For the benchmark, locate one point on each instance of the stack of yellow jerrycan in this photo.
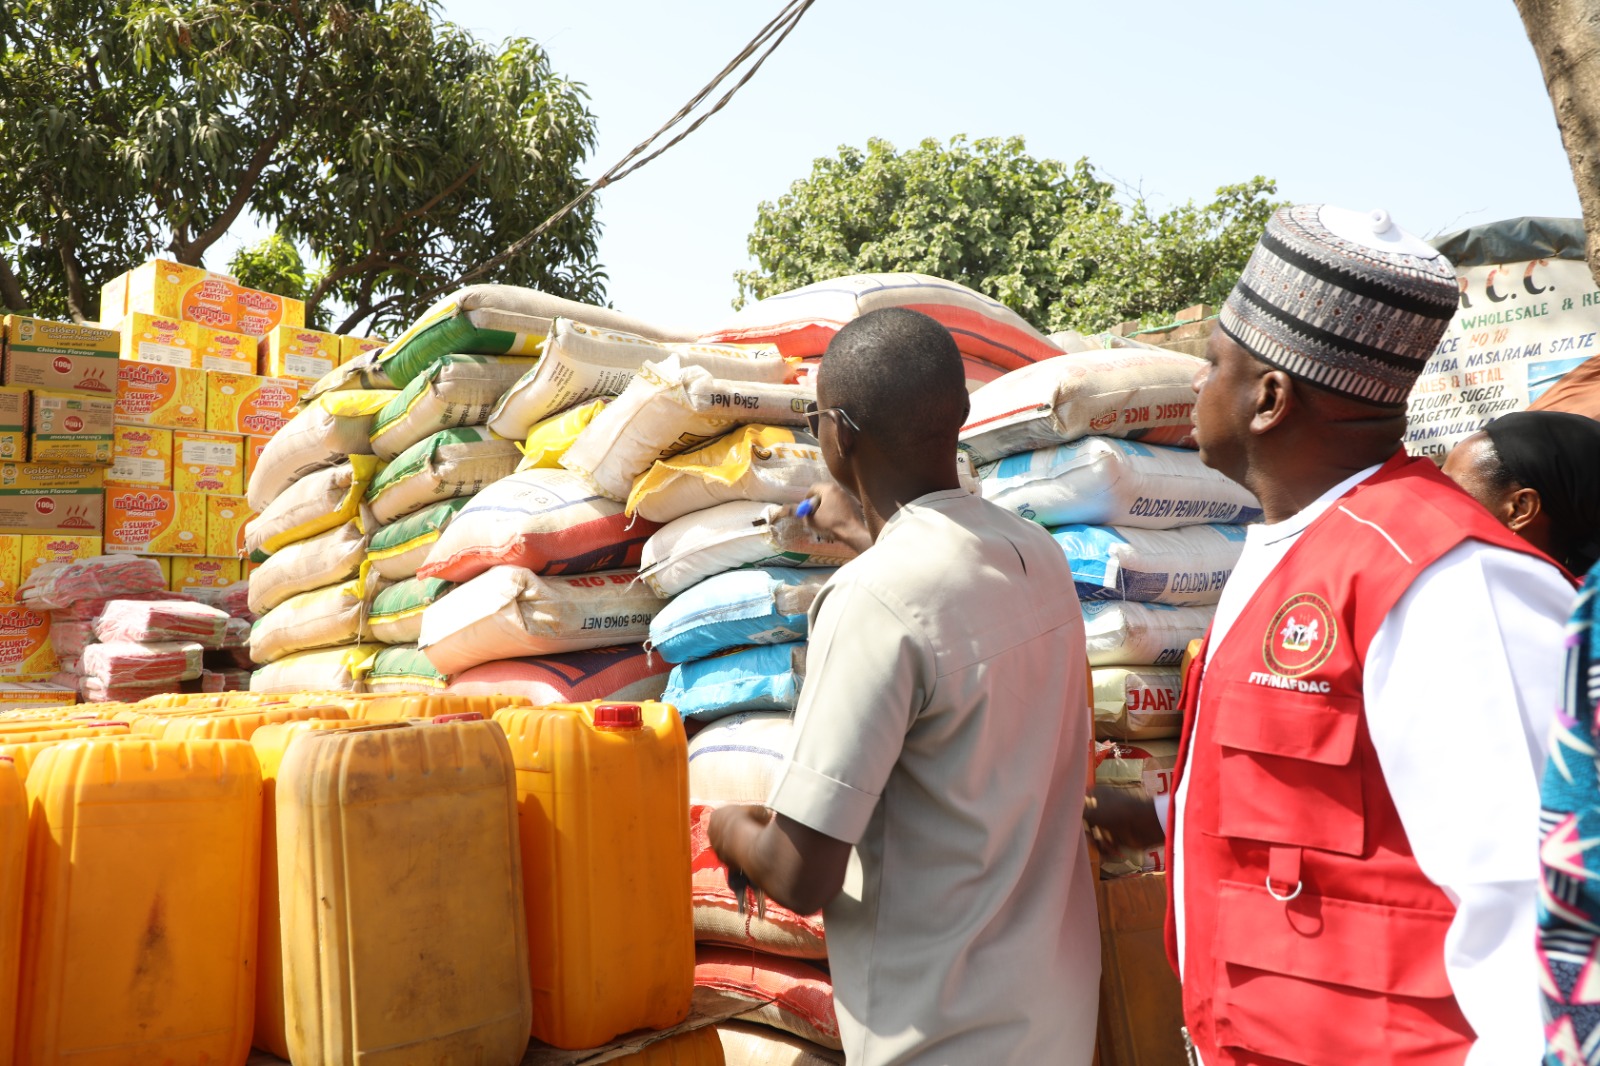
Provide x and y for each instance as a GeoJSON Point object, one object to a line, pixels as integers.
{"type": "Point", "coordinates": [13, 852]}
{"type": "Point", "coordinates": [603, 799]}
{"type": "Point", "coordinates": [399, 886]}
{"type": "Point", "coordinates": [139, 923]}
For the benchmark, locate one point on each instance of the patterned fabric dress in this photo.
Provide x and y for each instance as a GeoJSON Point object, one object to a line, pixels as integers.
{"type": "Point", "coordinates": [1569, 897]}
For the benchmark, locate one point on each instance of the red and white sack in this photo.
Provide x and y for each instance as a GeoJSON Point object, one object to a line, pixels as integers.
{"type": "Point", "coordinates": [716, 909]}
{"type": "Point", "coordinates": [744, 1044]}
{"type": "Point", "coordinates": [1146, 768]}
{"type": "Point", "coordinates": [120, 663]}
{"type": "Point", "coordinates": [547, 521]}
{"type": "Point", "coordinates": [325, 559]}
{"type": "Point", "coordinates": [1137, 393]}
{"type": "Point", "coordinates": [1138, 703]}
{"type": "Point", "coordinates": [158, 621]}
{"type": "Point", "coordinates": [670, 408]}
{"type": "Point", "coordinates": [625, 673]}
{"type": "Point", "coordinates": [786, 994]}
{"type": "Point", "coordinates": [728, 536]}
{"type": "Point", "coordinates": [508, 612]}
{"type": "Point", "coordinates": [583, 362]}
{"type": "Point", "coordinates": [53, 586]}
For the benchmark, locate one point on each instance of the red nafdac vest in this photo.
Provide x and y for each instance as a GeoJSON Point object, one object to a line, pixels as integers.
{"type": "Point", "coordinates": [1311, 934]}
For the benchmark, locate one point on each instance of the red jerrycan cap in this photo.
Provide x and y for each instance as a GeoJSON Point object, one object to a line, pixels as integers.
{"type": "Point", "coordinates": [619, 716]}
{"type": "Point", "coordinates": [459, 716]}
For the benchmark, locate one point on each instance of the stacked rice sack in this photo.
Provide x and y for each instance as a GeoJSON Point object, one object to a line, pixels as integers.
{"type": "Point", "coordinates": [1094, 446]}
{"type": "Point", "coordinates": [119, 634]}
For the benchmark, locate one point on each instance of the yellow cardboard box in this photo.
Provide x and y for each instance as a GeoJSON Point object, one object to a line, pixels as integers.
{"type": "Point", "coordinates": [152, 339]}
{"type": "Point", "coordinates": [25, 651]}
{"type": "Point", "coordinates": [226, 517]}
{"type": "Point", "coordinates": [172, 290]}
{"type": "Point", "coordinates": [246, 403]}
{"type": "Point", "coordinates": [16, 414]}
{"type": "Point", "coordinates": [54, 548]}
{"type": "Point", "coordinates": [253, 447]}
{"type": "Point", "coordinates": [68, 428]}
{"type": "Point", "coordinates": [61, 356]}
{"type": "Point", "coordinates": [114, 301]}
{"type": "Point", "coordinates": [21, 695]}
{"type": "Point", "coordinates": [208, 462]}
{"type": "Point", "coordinates": [301, 354]}
{"type": "Point", "coordinates": [149, 394]}
{"type": "Point", "coordinates": [141, 456]}
{"type": "Point", "coordinates": [220, 349]}
{"type": "Point", "coordinates": [155, 522]}
{"type": "Point", "coordinates": [10, 566]}
{"type": "Point", "coordinates": [204, 573]}
{"type": "Point", "coordinates": [350, 347]}
{"type": "Point", "coordinates": [44, 498]}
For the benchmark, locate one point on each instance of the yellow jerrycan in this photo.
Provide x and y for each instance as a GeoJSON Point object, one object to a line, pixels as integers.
{"type": "Point", "coordinates": [405, 706]}
{"type": "Point", "coordinates": [13, 855]}
{"type": "Point", "coordinates": [241, 724]}
{"type": "Point", "coordinates": [139, 922]}
{"type": "Point", "coordinates": [697, 1047]}
{"type": "Point", "coordinates": [23, 755]}
{"type": "Point", "coordinates": [399, 889]}
{"type": "Point", "coordinates": [270, 742]}
{"type": "Point", "coordinates": [603, 798]}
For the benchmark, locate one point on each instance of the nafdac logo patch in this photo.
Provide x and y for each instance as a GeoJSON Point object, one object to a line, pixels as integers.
{"type": "Point", "coordinates": [1301, 637]}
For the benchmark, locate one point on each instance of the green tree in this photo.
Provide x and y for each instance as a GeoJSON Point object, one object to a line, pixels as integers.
{"type": "Point", "coordinates": [275, 265]}
{"type": "Point", "coordinates": [1053, 242]}
{"type": "Point", "coordinates": [389, 145]}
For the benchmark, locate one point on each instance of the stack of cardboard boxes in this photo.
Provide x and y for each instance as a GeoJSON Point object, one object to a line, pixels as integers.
{"type": "Point", "coordinates": [140, 436]}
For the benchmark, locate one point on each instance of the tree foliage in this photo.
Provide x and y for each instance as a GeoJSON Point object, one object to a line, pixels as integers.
{"type": "Point", "coordinates": [1053, 242]}
{"type": "Point", "coordinates": [391, 146]}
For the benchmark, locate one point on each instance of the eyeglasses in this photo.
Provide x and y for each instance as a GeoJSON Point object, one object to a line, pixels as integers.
{"type": "Point", "coordinates": [814, 417]}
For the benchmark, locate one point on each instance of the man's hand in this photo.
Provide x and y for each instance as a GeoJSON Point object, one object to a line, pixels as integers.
{"type": "Point", "coordinates": [1123, 817]}
{"type": "Point", "coordinates": [788, 862]}
{"type": "Point", "coordinates": [837, 516]}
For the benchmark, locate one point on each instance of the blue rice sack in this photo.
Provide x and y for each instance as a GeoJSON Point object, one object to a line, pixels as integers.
{"type": "Point", "coordinates": [734, 609]}
{"type": "Point", "coordinates": [763, 678]}
{"type": "Point", "coordinates": [1183, 567]}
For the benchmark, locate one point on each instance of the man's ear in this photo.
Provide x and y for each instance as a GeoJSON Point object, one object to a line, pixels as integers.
{"type": "Point", "coordinates": [1275, 400]}
{"type": "Point", "coordinates": [1521, 508]}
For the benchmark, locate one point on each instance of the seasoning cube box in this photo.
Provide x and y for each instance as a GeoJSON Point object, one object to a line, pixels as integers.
{"type": "Point", "coordinates": [169, 397]}
{"type": "Point", "coordinates": [51, 498]}
{"type": "Point", "coordinates": [60, 356]}
{"type": "Point", "coordinates": [193, 294]}
{"type": "Point", "coordinates": [248, 403]}
{"type": "Point", "coordinates": [55, 548]}
{"type": "Point", "coordinates": [155, 522]}
{"type": "Point", "coordinates": [16, 415]}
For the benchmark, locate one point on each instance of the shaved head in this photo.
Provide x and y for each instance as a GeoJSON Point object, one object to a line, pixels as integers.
{"type": "Point", "coordinates": [898, 375]}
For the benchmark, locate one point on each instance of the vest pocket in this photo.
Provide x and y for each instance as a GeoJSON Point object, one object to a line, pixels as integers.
{"type": "Point", "coordinates": [1288, 772]}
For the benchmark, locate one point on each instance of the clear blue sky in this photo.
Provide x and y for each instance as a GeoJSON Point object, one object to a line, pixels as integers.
{"type": "Point", "coordinates": [1434, 109]}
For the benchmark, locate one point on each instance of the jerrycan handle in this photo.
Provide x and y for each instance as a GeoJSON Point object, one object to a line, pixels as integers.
{"type": "Point", "coordinates": [618, 716]}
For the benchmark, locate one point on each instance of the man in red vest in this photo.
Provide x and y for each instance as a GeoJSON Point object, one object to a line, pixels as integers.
{"type": "Point", "coordinates": [1354, 831]}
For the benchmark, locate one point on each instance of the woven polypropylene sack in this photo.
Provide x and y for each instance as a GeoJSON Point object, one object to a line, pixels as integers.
{"type": "Point", "coordinates": [763, 678]}
{"type": "Point", "coordinates": [496, 320]}
{"type": "Point", "coordinates": [738, 608]}
{"type": "Point", "coordinates": [737, 759]}
{"type": "Point", "coordinates": [1109, 482]}
{"type": "Point", "coordinates": [509, 611]}
{"type": "Point", "coordinates": [731, 536]}
{"type": "Point", "coordinates": [786, 994]}
{"type": "Point", "coordinates": [399, 548]}
{"type": "Point", "coordinates": [362, 372]}
{"type": "Point", "coordinates": [322, 670]}
{"type": "Point", "coordinates": [325, 559]}
{"type": "Point", "coordinates": [583, 363]}
{"type": "Point", "coordinates": [403, 668]}
{"type": "Point", "coordinates": [397, 610]}
{"type": "Point", "coordinates": [1136, 393]}
{"type": "Point", "coordinates": [549, 438]}
{"type": "Point", "coordinates": [315, 504]}
{"type": "Point", "coordinates": [322, 618]}
{"type": "Point", "coordinates": [1121, 633]}
{"type": "Point", "coordinates": [549, 521]}
{"type": "Point", "coordinates": [1145, 768]}
{"type": "Point", "coordinates": [625, 672]}
{"type": "Point", "coordinates": [1138, 703]}
{"type": "Point", "coordinates": [1182, 567]}
{"type": "Point", "coordinates": [747, 1044]}
{"type": "Point", "coordinates": [455, 390]}
{"type": "Point", "coordinates": [450, 463]}
{"type": "Point", "coordinates": [328, 431]}
{"type": "Point", "coordinates": [670, 408]}
{"type": "Point", "coordinates": [768, 464]}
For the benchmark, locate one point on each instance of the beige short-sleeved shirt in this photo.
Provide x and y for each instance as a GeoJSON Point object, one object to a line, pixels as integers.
{"type": "Point", "coordinates": [943, 730]}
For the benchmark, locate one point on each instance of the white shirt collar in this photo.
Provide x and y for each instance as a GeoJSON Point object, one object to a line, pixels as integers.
{"type": "Point", "coordinates": [1296, 524]}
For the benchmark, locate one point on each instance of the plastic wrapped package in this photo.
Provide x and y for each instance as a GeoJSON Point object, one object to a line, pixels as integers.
{"type": "Point", "coordinates": [70, 636]}
{"type": "Point", "coordinates": [232, 600]}
{"type": "Point", "coordinates": [121, 663]}
{"type": "Point", "coordinates": [99, 577]}
{"type": "Point", "coordinates": [160, 621]}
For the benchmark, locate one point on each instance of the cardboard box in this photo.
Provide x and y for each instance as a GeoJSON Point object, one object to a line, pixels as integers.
{"type": "Point", "coordinates": [114, 301]}
{"type": "Point", "coordinates": [253, 447]}
{"type": "Point", "coordinates": [172, 290]}
{"type": "Point", "coordinates": [226, 517]}
{"type": "Point", "coordinates": [10, 566]}
{"type": "Point", "coordinates": [25, 651]}
{"type": "Point", "coordinates": [247, 403]}
{"type": "Point", "coordinates": [155, 522]}
{"type": "Point", "coordinates": [32, 695]}
{"type": "Point", "coordinates": [16, 414]}
{"type": "Point", "coordinates": [38, 550]}
{"type": "Point", "coordinates": [1141, 1003]}
{"type": "Point", "coordinates": [219, 349]}
{"type": "Point", "coordinates": [171, 397]}
{"type": "Point", "coordinates": [208, 462]}
{"type": "Point", "coordinates": [141, 457]}
{"type": "Point", "coordinates": [301, 354]}
{"type": "Point", "coordinates": [60, 356]}
{"type": "Point", "coordinates": [350, 347]}
{"type": "Point", "coordinates": [151, 339]}
{"type": "Point", "coordinates": [71, 429]}
{"type": "Point", "coordinates": [204, 573]}
{"type": "Point", "coordinates": [41, 498]}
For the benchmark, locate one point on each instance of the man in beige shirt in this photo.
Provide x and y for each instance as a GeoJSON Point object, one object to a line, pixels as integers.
{"type": "Point", "coordinates": [932, 805]}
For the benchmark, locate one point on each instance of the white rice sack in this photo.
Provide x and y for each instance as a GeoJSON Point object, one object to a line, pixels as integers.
{"type": "Point", "coordinates": [456, 390]}
{"type": "Point", "coordinates": [315, 504]}
{"type": "Point", "coordinates": [1182, 567]}
{"type": "Point", "coordinates": [323, 670]}
{"type": "Point", "coordinates": [399, 548]}
{"type": "Point", "coordinates": [330, 429]}
{"type": "Point", "coordinates": [668, 409]}
{"type": "Point", "coordinates": [509, 611]}
{"type": "Point", "coordinates": [1108, 482]}
{"type": "Point", "coordinates": [1126, 392]}
{"type": "Point", "coordinates": [361, 372]}
{"type": "Point", "coordinates": [1120, 633]}
{"type": "Point", "coordinates": [325, 559]}
{"type": "Point", "coordinates": [397, 610]}
{"type": "Point", "coordinates": [585, 362]}
{"type": "Point", "coordinates": [321, 618]}
{"type": "Point", "coordinates": [727, 537]}
{"type": "Point", "coordinates": [768, 464]}
{"type": "Point", "coordinates": [450, 463]}
{"type": "Point", "coordinates": [737, 759]}
{"type": "Point", "coordinates": [1137, 703]}
{"type": "Point", "coordinates": [1145, 768]}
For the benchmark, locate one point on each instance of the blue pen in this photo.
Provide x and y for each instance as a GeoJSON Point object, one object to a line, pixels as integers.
{"type": "Point", "coordinates": [807, 508]}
